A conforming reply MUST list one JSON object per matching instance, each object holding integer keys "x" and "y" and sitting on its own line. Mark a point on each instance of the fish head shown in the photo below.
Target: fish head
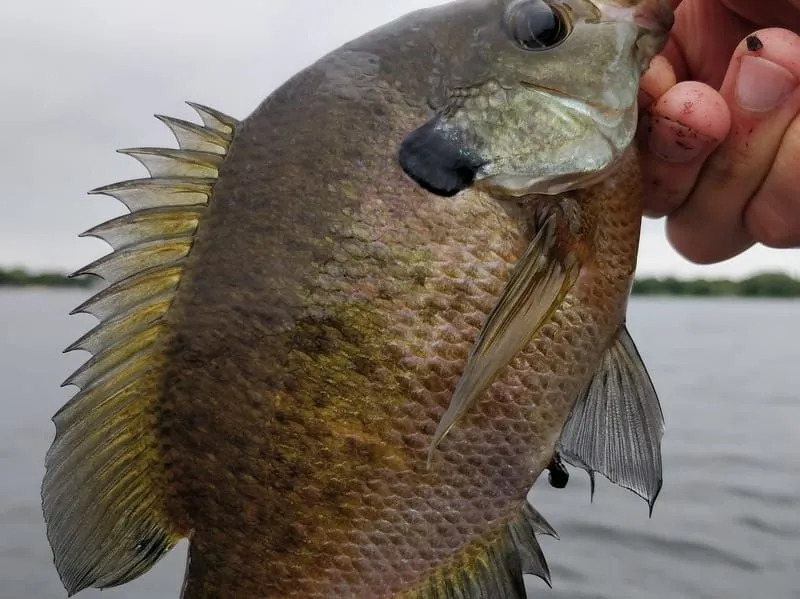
{"x": 541, "y": 99}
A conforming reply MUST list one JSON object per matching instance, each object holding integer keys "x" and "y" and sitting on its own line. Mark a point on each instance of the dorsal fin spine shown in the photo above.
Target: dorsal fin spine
{"x": 126, "y": 262}
{"x": 149, "y": 192}
{"x": 106, "y": 361}
{"x": 165, "y": 162}
{"x": 196, "y": 137}
{"x": 118, "y": 329}
{"x": 135, "y": 289}
{"x": 148, "y": 225}
{"x": 214, "y": 119}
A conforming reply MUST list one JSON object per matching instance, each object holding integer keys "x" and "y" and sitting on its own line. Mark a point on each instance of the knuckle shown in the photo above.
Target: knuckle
{"x": 661, "y": 200}
{"x": 773, "y": 215}
{"x": 726, "y": 167}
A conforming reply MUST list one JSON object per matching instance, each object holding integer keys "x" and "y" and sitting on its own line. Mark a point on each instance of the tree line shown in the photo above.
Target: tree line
{"x": 770, "y": 284}
{"x": 18, "y": 277}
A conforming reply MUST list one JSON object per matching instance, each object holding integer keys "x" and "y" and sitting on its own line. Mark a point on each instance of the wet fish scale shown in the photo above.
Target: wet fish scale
{"x": 493, "y": 446}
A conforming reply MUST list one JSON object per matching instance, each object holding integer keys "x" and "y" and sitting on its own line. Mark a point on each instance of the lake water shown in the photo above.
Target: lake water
{"x": 727, "y": 523}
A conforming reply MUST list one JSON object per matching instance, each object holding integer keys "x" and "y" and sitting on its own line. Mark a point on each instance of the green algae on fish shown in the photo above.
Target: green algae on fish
{"x": 343, "y": 337}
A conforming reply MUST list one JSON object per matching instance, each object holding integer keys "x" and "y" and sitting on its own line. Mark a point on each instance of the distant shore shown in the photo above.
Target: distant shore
{"x": 18, "y": 277}
{"x": 766, "y": 285}
{"x": 769, "y": 284}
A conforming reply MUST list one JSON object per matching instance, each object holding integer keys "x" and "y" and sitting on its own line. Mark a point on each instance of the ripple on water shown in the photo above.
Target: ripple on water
{"x": 771, "y": 498}
{"x": 783, "y": 531}
{"x": 694, "y": 551}
{"x": 565, "y": 573}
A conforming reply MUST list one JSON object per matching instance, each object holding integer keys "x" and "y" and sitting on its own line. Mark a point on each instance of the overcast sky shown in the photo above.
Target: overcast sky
{"x": 82, "y": 78}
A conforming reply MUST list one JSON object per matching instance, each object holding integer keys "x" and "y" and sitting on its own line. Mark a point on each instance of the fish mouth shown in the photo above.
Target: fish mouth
{"x": 514, "y": 187}
{"x": 654, "y": 16}
{"x": 651, "y": 16}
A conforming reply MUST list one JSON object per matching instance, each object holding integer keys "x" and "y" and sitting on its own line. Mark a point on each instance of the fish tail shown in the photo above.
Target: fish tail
{"x": 104, "y": 493}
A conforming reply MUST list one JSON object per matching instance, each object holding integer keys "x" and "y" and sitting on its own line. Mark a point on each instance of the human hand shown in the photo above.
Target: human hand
{"x": 721, "y": 128}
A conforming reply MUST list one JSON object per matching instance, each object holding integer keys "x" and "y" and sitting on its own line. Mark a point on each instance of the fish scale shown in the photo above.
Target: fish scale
{"x": 483, "y": 444}
{"x": 344, "y": 336}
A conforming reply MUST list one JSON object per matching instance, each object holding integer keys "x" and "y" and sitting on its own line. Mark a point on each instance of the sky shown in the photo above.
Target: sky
{"x": 80, "y": 79}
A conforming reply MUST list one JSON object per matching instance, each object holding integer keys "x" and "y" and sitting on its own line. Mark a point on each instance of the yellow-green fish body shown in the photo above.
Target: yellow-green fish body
{"x": 337, "y": 383}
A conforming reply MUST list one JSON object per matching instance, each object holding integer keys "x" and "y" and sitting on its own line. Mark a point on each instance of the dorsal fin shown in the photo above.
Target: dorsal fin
{"x": 103, "y": 490}
{"x": 494, "y": 568}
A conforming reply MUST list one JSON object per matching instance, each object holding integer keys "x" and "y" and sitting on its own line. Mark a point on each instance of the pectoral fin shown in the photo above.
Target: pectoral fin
{"x": 540, "y": 280}
{"x": 616, "y": 426}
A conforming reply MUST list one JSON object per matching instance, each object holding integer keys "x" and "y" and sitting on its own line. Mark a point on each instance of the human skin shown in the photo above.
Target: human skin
{"x": 721, "y": 130}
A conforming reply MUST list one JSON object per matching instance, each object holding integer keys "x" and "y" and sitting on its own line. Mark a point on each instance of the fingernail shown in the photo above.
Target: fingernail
{"x": 674, "y": 142}
{"x": 762, "y": 85}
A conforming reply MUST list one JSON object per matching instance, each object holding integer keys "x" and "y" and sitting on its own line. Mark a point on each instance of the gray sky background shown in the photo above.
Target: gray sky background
{"x": 80, "y": 79}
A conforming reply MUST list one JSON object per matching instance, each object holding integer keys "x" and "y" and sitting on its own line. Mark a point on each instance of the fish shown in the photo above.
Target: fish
{"x": 342, "y": 338}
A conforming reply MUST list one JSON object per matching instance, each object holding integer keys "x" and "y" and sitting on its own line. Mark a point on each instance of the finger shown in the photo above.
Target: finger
{"x": 672, "y": 51}
{"x": 680, "y": 131}
{"x": 761, "y": 89}
{"x": 656, "y": 80}
{"x": 773, "y": 216}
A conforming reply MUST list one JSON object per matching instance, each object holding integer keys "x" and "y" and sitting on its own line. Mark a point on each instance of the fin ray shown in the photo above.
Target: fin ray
{"x": 125, "y": 295}
{"x": 169, "y": 162}
{"x": 196, "y": 137}
{"x": 123, "y": 264}
{"x": 616, "y": 426}
{"x": 216, "y": 120}
{"x": 106, "y": 362}
{"x": 537, "y": 522}
{"x": 495, "y": 569}
{"x": 122, "y": 327}
{"x": 149, "y": 224}
{"x": 138, "y": 194}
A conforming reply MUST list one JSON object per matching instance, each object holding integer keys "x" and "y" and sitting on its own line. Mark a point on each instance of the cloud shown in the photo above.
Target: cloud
{"x": 81, "y": 78}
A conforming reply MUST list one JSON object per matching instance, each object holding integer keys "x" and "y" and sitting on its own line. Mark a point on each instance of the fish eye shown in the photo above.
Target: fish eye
{"x": 537, "y": 25}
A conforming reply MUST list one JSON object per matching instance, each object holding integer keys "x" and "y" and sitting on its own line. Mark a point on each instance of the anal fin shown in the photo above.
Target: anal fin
{"x": 495, "y": 569}
{"x": 616, "y": 425}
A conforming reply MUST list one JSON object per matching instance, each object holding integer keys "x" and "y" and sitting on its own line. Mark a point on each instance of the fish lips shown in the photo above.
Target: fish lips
{"x": 518, "y": 186}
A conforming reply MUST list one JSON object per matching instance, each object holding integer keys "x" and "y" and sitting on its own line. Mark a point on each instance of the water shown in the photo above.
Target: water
{"x": 727, "y": 523}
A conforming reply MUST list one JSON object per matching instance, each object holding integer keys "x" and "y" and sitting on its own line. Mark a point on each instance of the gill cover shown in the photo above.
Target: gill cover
{"x": 542, "y": 101}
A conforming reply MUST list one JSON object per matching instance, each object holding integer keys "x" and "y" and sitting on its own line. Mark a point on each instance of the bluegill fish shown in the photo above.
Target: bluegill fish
{"x": 343, "y": 337}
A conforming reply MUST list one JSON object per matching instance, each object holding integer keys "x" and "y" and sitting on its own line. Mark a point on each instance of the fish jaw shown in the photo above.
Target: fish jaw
{"x": 654, "y": 18}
